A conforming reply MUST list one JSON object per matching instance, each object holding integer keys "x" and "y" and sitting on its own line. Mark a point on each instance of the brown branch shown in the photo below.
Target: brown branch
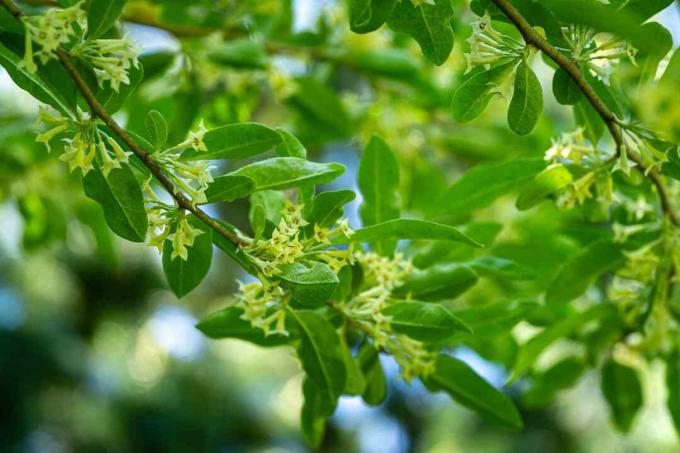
{"x": 99, "y": 111}
{"x": 532, "y": 37}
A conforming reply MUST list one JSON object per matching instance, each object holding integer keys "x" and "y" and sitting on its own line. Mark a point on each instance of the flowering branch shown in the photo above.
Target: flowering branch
{"x": 533, "y": 38}
{"x": 100, "y": 112}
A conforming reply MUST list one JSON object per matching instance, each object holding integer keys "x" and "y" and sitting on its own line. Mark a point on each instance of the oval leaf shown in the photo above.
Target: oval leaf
{"x": 527, "y": 100}
{"x": 228, "y": 323}
{"x": 409, "y": 229}
{"x": 311, "y": 285}
{"x": 281, "y": 173}
{"x": 235, "y": 141}
{"x": 622, "y": 389}
{"x": 423, "y": 321}
{"x": 229, "y": 188}
{"x": 185, "y": 275}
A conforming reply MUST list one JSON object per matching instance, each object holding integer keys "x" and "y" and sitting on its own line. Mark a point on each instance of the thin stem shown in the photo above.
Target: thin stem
{"x": 99, "y": 111}
{"x": 532, "y": 37}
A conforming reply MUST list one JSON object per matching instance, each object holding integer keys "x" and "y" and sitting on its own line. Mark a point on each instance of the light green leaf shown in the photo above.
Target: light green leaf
{"x": 320, "y": 351}
{"x": 328, "y": 207}
{"x": 313, "y": 415}
{"x": 265, "y": 210}
{"x": 157, "y": 128}
{"x": 495, "y": 318}
{"x": 229, "y": 188}
{"x": 311, "y": 285}
{"x": 423, "y": 321}
{"x": 546, "y": 183}
{"x": 378, "y": 180}
{"x": 466, "y": 387}
{"x": 527, "y": 101}
{"x": 368, "y": 15}
{"x": 279, "y": 173}
{"x": 120, "y": 197}
{"x": 236, "y": 141}
{"x": 441, "y": 281}
{"x": 481, "y": 185}
{"x": 290, "y": 146}
{"x": 102, "y": 15}
{"x": 241, "y": 53}
{"x": 228, "y": 323}
{"x": 622, "y": 389}
{"x": 322, "y": 105}
{"x": 476, "y": 90}
{"x": 185, "y": 275}
{"x": 588, "y": 118}
{"x": 428, "y": 24}
{"x": 581, "y": 270}
{"x": 501, "y": 267}
{"x": 409, "y": 229}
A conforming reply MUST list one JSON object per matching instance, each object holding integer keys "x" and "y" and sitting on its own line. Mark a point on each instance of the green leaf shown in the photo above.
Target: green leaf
{"x": 501, "y": 267}
{"x": 441, "y": 281}
{"x": 643, "y": 9}
{"x": 530, "y": 350}
{"x": 527, "y": 100}
{"x": 328, "y": 207}
{"x": 183, "y": 276}
{"x": 368, "y": 15}
{"x": 229, "y": 188}
{"x": 428, "y": 24}
{"x": 157, "y": 128}
{"x": 102, "y": 15}
{"x": 581, "y": 270}
{"x": 423, "y": 321}
{"x": 228, "y": 323}
{"x": 588, "y": 118}
{"x": 280, "y": 173}
{"x": 313, "y": 414}
{"x": 290, "y": 146}
{"x": 311, "y": 285}
{"x": 236, "y": 141}
{"x": 481, "y": 185}
{"x": 391, "y": 63}
{"x": 378, "y": 180}
{"x": 546, "y": 183}
{"x": 112, "y": 100}
{"x": 547, "y": 385}
{"x": 120, "y": 197}
{"x": 322, "y": 105}
{"x": 376, "y": 384}
{"x": 409, "y": 229}
{"x": 476, "y": 90}
{"x": 241, "y": 53}
{"x": 673, "y": 388}
{"x": 495, "y": 318}
{"x": 566, "y": 91}
{"x": 265, "y": 210}
{"x": 355, "y": 383}
{"x": 648, "y": 58}
{"x": 622, "y": 389}
{"x": 34, "y": 84}
{"x": 466, "y": 387}
{"x": 320, "y": 351}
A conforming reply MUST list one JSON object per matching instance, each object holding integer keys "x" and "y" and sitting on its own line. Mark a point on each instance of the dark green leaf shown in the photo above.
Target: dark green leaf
{"x": 328, "y": 207}
{"x": 622, "y": 389}
{"x": 566, "y": 91}
{"x": 527, "y": 100}
{"x": 588, "y": 118}
{"x": 312, "y": 284}
{"x": 673, "y": 388}
{"x": 581, "y": 270}
{"x": 185, "y": 275}
{"x": 495, "y": 318}
{"x": 228, "y": 323}
{"x": 120, "y": 197}
{"x": 313, "y": 414}
{"x": 501, "y": 267}
{"x": 242, "y": 53}
{"x": 441, "y": 281}
{"x": 476, "y": 90}
{"x": 376, "y": 384}
{"x": 409, "y": 229}
{"x": 236, "y": 141}
{"x": 560, "y": 376}
{"x": 279, "y": 173}
{"x": 157, "y": 128}
{"x": 229, "y": 188}
{"x": 428, "y": 24}
{"x": 466, "y": 387}
{"x": 102, "y": 15}
{"x": 368, "y": 15}
{"x": 423, "y": 321}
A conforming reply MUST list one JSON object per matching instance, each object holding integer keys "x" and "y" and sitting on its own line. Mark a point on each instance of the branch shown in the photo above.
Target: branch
{"x": 533, "y": 38}
{"x": 99, "y": 111}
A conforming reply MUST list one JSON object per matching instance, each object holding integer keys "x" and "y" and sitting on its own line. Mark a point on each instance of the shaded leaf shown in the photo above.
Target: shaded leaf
{"x": 423, "y": 321}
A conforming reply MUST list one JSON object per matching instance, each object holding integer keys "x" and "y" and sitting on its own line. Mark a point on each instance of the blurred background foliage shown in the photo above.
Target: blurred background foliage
{"x": 97, "y": 354}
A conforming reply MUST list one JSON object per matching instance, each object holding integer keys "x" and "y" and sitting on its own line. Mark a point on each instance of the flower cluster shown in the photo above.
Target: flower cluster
{"x": 488, "y": 46}
{"x": 50, "y": 30}
{"x": 264, "y": 306}
{"x": 111, "y": 59}
{"x": 286, "y": 246}
{"x": 597, "y": 51}
{"x": 571, "y": 146}
{"x": 83, "y": 142}
{"x": 192, "y": 178}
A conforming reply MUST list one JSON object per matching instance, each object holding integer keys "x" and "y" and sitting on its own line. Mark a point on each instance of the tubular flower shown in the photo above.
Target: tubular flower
{"x": 195, "y": 139}
{"x": 111, "y": 58}
{"x": 182, "y": 238}
{"x": 488, "y": 46}
{"x": 79, "y": 153}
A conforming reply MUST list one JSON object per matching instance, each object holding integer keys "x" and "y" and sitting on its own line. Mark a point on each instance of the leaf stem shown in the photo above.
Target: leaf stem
{"x": 532, "y": 37}
{"x": 99, "y": 111}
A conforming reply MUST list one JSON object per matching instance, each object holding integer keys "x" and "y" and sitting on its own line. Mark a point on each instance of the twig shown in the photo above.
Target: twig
{"x": 532, "y": 37}
{"x": 99, "y": 111}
